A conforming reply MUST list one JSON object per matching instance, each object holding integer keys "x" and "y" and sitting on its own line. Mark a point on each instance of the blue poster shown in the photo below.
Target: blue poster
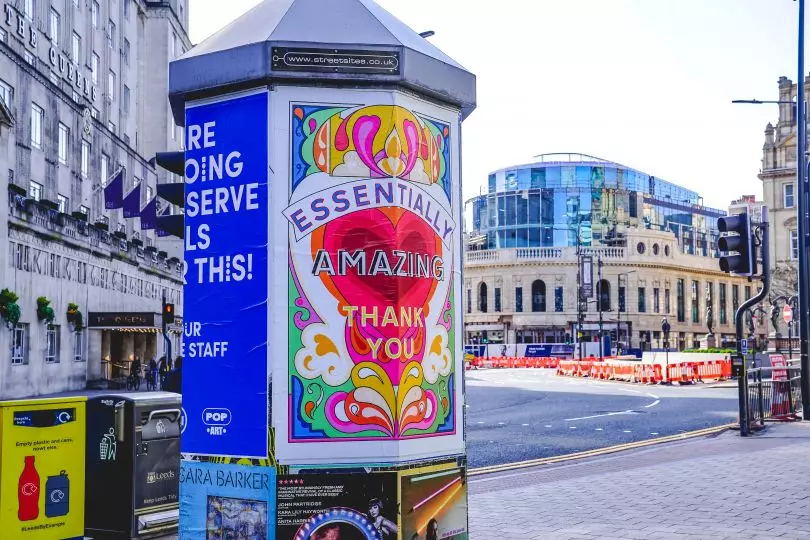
{"x": 225, "y": 378}
{"x": 221, "y": 501}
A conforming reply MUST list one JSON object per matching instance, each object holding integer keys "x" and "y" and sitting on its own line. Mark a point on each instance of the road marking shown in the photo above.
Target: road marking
{"x": 548, "y": 425}
{"x": 627, "y": 431}
{"x": 488, "y": 470}
{"x": 653, "y": 404}
{"x": 501, "y": 424}
{"x": 598, "y": 429}
{"x": 653, "y": 433}
{"x": 629, "y": 411}
{"x": 524, "y": 425}
{"x": 480, "y": 422}
{"x": 572, "y": 427}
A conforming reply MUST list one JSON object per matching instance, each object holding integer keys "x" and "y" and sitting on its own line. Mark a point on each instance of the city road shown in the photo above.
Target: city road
{"x": 519, "y": 414}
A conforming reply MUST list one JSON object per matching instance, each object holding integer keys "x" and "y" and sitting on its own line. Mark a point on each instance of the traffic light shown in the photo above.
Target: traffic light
{"x": 168, "y": 313}
{"x": 172, "y": 192}
{"x": 737, "y": 242}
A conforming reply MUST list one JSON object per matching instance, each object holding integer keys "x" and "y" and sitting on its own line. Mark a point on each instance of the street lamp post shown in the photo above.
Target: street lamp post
{"x": 803, "y": 216}
{"x": 619, "y": 317}
{"x": 599, "y": 305}
{"x": 665, "y": 328}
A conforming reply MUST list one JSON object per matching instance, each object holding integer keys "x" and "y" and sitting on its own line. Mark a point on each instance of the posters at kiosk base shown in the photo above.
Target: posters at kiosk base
{"x": 337, "y": 507}
{"x": 220, "y": 501}
{"x": 433, "y": 502}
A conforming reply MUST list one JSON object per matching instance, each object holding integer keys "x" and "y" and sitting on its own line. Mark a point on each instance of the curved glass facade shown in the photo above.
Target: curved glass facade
{"x": 555, "y": 203}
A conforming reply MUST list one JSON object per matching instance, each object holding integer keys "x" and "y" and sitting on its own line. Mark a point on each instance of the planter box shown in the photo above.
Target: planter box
{"x": 81, "y": 216}
{"x": 14, "y": 189}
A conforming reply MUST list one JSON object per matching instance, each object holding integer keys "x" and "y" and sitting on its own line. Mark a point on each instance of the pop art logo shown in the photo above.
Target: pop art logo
{"x": 216, "y": 417}
{"x": 373, "y": 251}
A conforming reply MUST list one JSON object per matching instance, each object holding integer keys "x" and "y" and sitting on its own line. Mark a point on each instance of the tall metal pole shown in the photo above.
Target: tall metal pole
{"x": 618, "y": 314}
{"x": 804, "y": 243}
{"x": 601, "y": 293}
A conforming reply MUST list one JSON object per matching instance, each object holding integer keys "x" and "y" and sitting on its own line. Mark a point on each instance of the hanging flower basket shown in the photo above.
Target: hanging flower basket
{"x": 44, "y": 310}
{"x": 74, "y": 317}
{"x": 9, "y": 309}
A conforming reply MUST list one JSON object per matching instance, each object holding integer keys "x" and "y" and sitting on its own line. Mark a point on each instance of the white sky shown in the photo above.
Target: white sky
{"x": 645, "y": 83}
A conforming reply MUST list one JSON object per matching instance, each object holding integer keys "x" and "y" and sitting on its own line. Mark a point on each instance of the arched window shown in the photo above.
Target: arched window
{"x": 603, "y": 295}
{"x": 538, "y": 296}
{"x": 482, "y": 297}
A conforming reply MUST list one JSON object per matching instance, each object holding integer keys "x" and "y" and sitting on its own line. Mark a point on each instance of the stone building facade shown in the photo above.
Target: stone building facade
{"x": 85, "y": 84}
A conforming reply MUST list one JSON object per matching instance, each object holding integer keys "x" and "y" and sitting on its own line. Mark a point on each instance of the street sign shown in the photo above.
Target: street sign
{"x": 745, "y": 346}
{"x": 787, "y": 314}
{"x": 586, "y": 277}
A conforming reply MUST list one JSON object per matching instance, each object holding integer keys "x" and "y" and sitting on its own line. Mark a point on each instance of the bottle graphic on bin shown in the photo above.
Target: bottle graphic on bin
{"x": 28, "y": 491}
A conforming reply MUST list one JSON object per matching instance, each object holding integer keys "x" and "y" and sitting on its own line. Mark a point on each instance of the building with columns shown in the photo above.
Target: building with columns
{"x": 780, "y": 194}
{"x": 656, "y": 242}
{"x": 83, "y": 91}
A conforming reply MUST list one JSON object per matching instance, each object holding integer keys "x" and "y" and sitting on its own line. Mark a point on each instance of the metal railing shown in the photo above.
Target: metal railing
{"x": 774, "y": 394}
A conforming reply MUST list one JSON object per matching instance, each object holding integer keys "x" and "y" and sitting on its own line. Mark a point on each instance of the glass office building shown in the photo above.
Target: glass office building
{"x": 570, "y": 199}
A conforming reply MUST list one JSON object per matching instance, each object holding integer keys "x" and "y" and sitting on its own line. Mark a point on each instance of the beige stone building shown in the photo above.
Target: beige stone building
{"x": 655, "y": 239}
{"x": 779, "y": 191}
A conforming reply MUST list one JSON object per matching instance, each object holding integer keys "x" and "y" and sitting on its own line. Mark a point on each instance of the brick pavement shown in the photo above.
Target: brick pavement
{"x": 723, "y": 487}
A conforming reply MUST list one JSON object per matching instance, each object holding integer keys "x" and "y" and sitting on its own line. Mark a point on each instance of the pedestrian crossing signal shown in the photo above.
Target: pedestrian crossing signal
{"x": 168, "y": 313}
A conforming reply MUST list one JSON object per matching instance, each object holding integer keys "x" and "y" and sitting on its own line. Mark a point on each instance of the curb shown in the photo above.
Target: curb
{"x": 597, "y": 452}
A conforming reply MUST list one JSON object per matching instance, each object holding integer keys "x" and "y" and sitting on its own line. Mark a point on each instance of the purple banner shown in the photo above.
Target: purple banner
{"x": 149, "y": 214}
{"x": 132, "y": 203}
{"x": 114, "y": 191}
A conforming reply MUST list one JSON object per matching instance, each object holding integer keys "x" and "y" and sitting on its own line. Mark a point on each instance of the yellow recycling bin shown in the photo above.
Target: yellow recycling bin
{"x": 42, "y": 447}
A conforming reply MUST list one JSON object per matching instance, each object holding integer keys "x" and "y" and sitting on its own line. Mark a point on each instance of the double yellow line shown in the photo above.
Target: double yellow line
{"x": 597, "y": 452}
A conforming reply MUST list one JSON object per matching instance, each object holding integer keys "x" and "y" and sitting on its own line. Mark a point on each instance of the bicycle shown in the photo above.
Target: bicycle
{"x": 134, "y": 380}
{"x": 151, "y": 381}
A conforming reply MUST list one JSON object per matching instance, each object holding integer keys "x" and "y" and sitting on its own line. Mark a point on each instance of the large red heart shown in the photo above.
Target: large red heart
{"x": 388, "y": 230}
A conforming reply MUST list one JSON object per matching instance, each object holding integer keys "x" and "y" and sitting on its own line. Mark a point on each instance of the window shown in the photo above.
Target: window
{"x": 85, "y": 159}
{"x": 126, "y": 8}
{"x": 642, "y": 300}
{"x": 172, "y": 128}
{"x": 29, "y": 10}
{"x": 603, "y": 295}
{"x": 695, "y": 302}
{"x": 19, "y": 345}
{"x": 94, "y": 13}
{"x": 149, "y": 193}
{"x": 519, "y": 299}
{"x": 6, "y": 93}
{"x": 94, "y": 68}
{"x": 482, "y": 297}
{"x": 666, "y": 302}
{"x": 538, "y": 296}
{"x": 789, "y": 198}
{"x": 656, "y": 300}
{"x": 125, "y": 52}
{"x": 173, "y": 45}
{"x": 558, "y": 299}
{"x": 497, "y": 299}
{"x": 54, "y": 26}
{"x": 469, "y": 300}
{"x": 125, "y": 100}
{"x": 723, "y": 317}
{"x": 622, "y": 298}
{"x": 105, "y": 169}
{"x": 794, "y": 245}
{"x": 110, "y": 34}
{"x": 29, "y": 57}
{"x": 63, "y": 203}
{"x": 681, "y": 301}
{"x": 84, "y": 210}
{"x": 36, "y": 125}
{"x": 78, "y": 347}
{"x": 34, "y": 190}
{"x": 735, "y": 298}
{"x": 111, "y": 85}
{"x": 747, "y": 292}
{"x": 111, "y": 126}
{"x": 64, "y": 135}
{"x": 76, "y": 47}
{"x": 52, "y": 345}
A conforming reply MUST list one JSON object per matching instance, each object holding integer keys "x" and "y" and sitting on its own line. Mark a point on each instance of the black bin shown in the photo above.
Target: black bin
{"x": 133, "y": 465}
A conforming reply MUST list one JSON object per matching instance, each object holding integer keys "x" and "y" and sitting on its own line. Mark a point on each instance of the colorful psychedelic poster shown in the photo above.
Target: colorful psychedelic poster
{"x": 224, "y": 501}
{"x": 374, "y": 261}
{"x": 433, "y": 503}
{"x": 337, "y": 507}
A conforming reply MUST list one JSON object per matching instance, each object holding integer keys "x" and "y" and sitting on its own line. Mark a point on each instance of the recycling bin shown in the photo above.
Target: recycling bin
{"x": 42, "y": 480}
{"x": 133, "y": 464}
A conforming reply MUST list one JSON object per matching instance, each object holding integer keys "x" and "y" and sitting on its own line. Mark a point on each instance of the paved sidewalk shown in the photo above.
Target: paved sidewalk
{"x": 713, "y": 488}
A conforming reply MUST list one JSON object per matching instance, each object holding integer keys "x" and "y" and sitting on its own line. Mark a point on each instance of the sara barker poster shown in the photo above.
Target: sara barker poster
{"x": 433, "y": 503}
{"x": 337, "y": 507}
{"x": 226, "y": 502}
{"x": 373, "y": 281}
